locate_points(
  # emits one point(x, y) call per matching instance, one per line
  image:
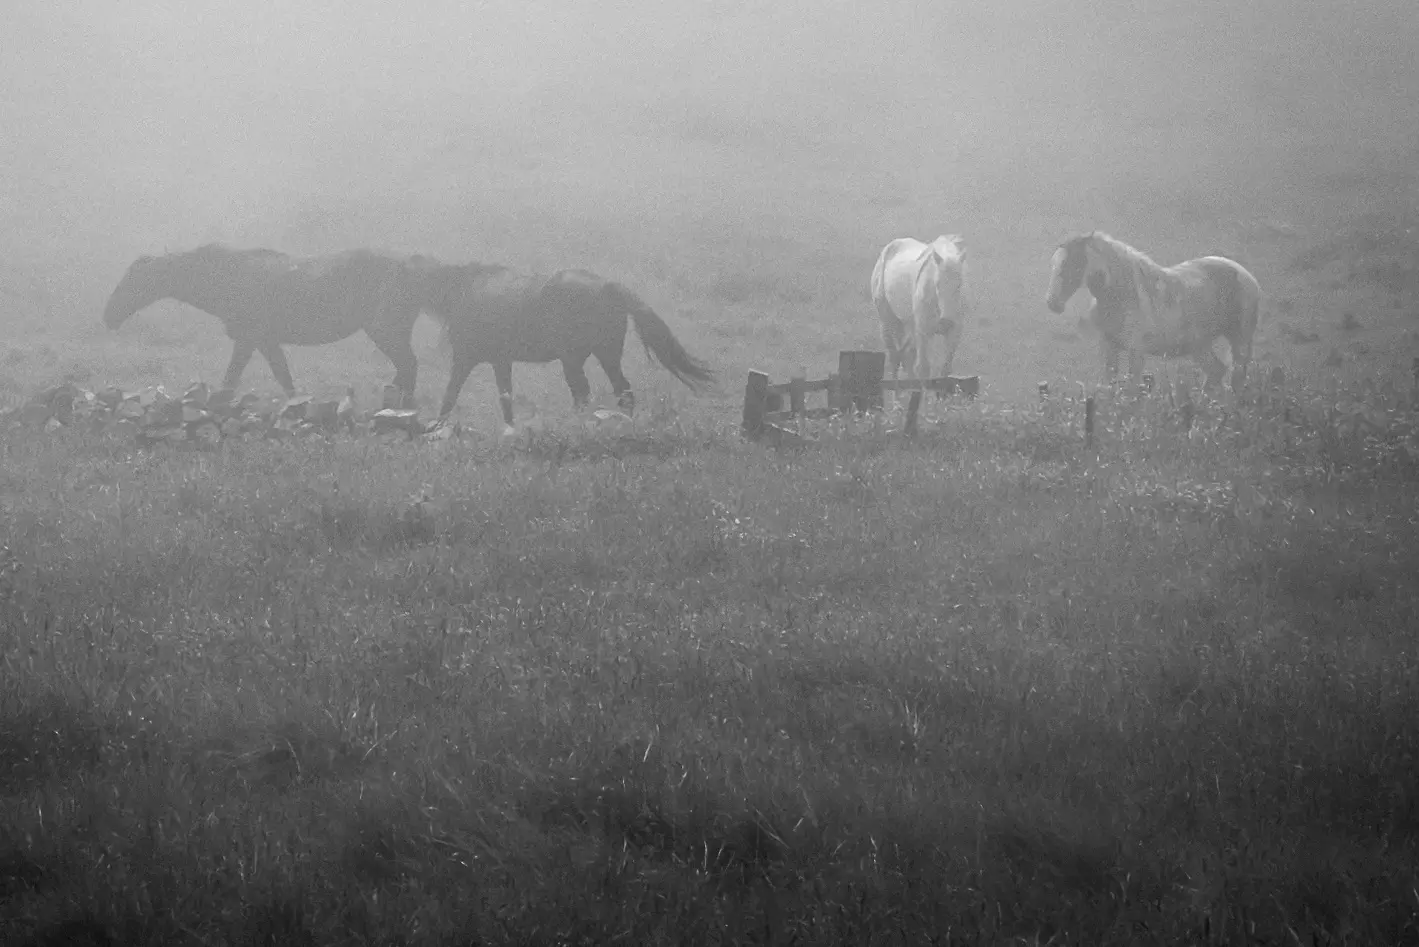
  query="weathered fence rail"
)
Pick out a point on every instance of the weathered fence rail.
point(857, 386)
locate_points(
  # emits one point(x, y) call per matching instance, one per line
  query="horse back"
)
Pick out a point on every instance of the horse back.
point(894, 276)
point(1229, 296)
point(528, 317)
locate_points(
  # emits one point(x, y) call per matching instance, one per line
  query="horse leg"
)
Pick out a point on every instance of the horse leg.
point(1111, 351)
point(894, 361)
point(277, 360)
point(457, 378)
point(1217, 363)
point(922, 366)
point(951, 339)
point(574, 372)
point(1135, 367)
point(397, 348)
point(241, 354)
point(502, 374)
point(1241, 350)
point(610, 358)
point(891, 340)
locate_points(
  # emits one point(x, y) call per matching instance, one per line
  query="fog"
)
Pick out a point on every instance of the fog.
point(685, 133)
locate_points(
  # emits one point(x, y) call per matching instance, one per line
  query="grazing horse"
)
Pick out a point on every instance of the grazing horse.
point(267, 299)
point(1205, 309)
point(491, 313)
point(918, 289)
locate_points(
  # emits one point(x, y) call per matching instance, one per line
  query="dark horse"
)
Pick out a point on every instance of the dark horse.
point(267, 299)
point(494, 314)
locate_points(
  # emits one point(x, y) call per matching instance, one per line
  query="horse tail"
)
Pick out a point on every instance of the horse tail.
point(1249, 292)
point(660, 343)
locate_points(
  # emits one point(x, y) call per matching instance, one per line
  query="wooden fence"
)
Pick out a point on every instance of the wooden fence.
point(857, 386)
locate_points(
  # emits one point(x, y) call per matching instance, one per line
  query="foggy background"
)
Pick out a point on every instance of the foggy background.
point(753, 154)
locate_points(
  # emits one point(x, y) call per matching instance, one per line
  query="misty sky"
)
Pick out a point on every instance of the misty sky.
point(133, 125)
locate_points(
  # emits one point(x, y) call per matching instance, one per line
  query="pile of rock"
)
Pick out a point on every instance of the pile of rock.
point(204, 418)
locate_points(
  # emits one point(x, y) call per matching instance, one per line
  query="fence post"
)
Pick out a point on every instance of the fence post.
point(1044, 391)
point(756, 391)
point(1089, 421)
point(913, 406)
point(394, 398)
point(795, 392)
point(846, 381)
point(860, 374)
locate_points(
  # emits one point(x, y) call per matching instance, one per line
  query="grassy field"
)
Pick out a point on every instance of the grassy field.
point(654, 684)
point(664, 686)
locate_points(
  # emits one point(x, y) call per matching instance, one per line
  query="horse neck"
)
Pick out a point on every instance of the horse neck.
point(434, 290)
point(1126, 266)
point(174, 282)
point(202, 284)
point(446, 290)
point(1135, 260)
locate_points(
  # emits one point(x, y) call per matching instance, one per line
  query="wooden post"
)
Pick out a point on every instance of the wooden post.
point(1147, 381)
point(1044, 391)
point(795, 392)
point(861, 378)
point(755, 394)
point(1089, 420)
point(873, 370)
point(846, 381)
point(913, 406)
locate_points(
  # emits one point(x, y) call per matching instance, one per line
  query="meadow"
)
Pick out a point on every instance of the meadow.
point(662, 685)
point(648, 682)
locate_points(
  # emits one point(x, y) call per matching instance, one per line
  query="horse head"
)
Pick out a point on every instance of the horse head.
point(143, 284)
point(948, 252)
point(1070, 266)
point(949, 246)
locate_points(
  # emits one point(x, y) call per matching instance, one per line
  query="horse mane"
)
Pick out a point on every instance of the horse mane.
point(225, 251)
point(1131, 255)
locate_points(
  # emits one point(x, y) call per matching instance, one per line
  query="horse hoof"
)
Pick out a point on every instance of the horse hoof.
point(509, 431)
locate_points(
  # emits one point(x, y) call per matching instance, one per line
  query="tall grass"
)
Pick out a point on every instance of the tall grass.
point(663, 686)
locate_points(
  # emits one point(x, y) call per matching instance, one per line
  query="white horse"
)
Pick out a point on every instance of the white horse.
point(1205, 309)
point(919, 291)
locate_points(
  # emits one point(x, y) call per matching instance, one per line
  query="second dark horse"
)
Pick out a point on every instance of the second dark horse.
point(495, 314)
point(267, 299)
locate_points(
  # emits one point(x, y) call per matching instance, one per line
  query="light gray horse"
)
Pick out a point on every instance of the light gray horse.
point(1205, 308)
point(919, 290)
